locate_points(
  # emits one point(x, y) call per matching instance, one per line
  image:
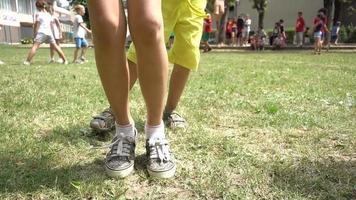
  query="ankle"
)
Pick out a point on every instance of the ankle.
point(127, 130)
point(154, 131)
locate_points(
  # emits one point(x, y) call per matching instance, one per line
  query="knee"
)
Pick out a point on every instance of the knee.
point(106, 28)
point(147, 31)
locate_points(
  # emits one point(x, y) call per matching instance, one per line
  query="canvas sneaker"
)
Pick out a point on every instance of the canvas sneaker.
point(174, 120)
point(160, 161)
point(26, 63)
point(103, 122)
point(119, 160)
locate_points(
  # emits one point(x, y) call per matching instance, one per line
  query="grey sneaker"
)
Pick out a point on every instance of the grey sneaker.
point(174, 120)
point(104, 122)
point(160, 161)
point(119, 160)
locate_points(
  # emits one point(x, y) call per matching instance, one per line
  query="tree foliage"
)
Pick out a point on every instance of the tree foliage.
point(75, 2)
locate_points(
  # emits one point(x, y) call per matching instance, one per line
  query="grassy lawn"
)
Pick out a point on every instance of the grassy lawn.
point(271, 125)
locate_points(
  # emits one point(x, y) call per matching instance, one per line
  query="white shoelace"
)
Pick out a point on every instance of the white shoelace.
point(121, 145)
point(159, 149)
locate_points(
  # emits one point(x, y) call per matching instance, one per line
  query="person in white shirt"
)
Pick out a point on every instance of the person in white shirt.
point(57, 32)
point(247, 29)
point(80, 30)
point(43, 33)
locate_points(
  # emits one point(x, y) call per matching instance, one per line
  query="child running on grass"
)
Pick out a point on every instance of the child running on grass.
point(57, 31)
point(80, 30)
point(186, 21)
point(109, 32)
point(43, 32)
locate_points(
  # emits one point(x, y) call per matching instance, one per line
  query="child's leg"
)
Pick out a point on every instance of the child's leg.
point(84, 50)
point(59, 51)
point(178, 80)
point(147, 35)
point(33, 50)
point(152, 62)
point(52, 53)
point(109, 31)
point(76, 51)
point(316, 44)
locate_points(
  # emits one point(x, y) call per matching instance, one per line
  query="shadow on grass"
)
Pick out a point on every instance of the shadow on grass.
point(33, 174)
point(26, 173)
point(329, 179)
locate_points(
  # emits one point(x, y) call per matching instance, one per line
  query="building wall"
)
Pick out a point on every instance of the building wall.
point(282, 9)
point(16, 20)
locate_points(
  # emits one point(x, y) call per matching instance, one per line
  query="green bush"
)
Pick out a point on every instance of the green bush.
point(352, 35)
point(343, 34)
point(26, 41)
point(348, 34)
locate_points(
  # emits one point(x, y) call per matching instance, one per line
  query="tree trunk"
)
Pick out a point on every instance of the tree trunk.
point(222, 24)
point(261, 16)
point(331, 21)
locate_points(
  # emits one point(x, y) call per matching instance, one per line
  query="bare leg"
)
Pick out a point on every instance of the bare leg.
point(147, 35)
point(76, 51)
point(178, 80)
point(52, 53)
point(133, 73)
point(59, 51)
point(109, 31)
point(84, 50)
point(32, 52)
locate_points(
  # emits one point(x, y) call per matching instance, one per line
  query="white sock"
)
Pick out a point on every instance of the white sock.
point(154, 131)
point(127, 130)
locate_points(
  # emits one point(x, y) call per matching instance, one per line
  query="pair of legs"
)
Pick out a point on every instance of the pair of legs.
point(219, 8)
point(300, 38)
point(178, 80)
point(52, 49)
point(109, 31)
point(53, 46)
point(318, 44)
point(82, 54)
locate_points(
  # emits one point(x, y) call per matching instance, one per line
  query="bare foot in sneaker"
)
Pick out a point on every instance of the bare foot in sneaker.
point(160, 160)
point(119, 160)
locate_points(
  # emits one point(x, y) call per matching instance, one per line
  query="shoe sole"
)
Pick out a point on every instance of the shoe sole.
point(119, 173)
point(166, 174)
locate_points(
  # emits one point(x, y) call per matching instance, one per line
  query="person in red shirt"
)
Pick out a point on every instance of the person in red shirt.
point(208, 28)
point(299, 29)
point(229, 26)
point(323, 12)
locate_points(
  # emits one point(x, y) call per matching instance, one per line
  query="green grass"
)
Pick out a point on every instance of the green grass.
point(271, 125)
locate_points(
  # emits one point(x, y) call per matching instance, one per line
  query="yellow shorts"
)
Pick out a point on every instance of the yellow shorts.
point(185, 19)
